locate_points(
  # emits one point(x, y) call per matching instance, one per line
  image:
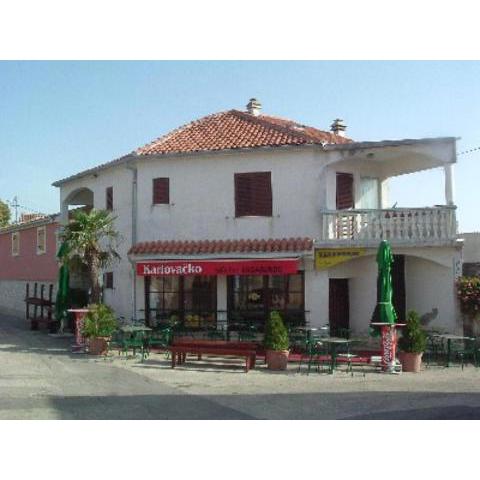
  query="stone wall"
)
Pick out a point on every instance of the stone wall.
point(12, 296)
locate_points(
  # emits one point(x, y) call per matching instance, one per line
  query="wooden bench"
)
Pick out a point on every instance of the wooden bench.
point(42, 307)
point(179, 353)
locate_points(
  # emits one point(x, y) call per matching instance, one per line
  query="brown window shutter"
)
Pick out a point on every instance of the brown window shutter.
point(345, 197)
point(108, 279)
point(109, 198)
point(253, 194)
point(161, 190)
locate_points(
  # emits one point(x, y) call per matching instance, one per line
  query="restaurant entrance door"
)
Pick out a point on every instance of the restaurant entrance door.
point(339, 306)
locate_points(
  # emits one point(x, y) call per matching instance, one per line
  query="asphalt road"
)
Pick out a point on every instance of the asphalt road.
point(41, 379)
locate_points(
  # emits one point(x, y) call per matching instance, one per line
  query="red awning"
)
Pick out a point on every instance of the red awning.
point(283, 266)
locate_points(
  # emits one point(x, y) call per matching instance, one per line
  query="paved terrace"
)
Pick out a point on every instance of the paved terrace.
point(41, 379)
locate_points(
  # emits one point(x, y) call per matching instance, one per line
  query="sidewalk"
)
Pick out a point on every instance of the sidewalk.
point(40, 378)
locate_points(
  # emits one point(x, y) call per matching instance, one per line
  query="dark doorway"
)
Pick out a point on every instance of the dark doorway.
point(339, 306)
point(398, 286)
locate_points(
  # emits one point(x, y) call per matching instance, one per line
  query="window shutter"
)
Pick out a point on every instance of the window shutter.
point(161, 190)
point(253, 194)
point(108, 280)
point(109, 198)
point(345, 198)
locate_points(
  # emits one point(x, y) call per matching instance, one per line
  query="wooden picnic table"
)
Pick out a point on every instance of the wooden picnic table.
point(180, 349)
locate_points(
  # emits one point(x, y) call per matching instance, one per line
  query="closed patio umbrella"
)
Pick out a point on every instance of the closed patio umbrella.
point(384, 310)
point(62, 301)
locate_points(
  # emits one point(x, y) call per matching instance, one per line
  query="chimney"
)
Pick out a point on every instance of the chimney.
point(338, 127)
point(254, 107)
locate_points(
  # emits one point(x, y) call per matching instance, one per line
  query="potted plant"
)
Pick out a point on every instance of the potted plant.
point(276, 342)
point(100, 322)
point(412, 343)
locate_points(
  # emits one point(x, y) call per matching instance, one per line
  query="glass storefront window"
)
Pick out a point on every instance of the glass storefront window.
point(251, 298)
point(190, 300)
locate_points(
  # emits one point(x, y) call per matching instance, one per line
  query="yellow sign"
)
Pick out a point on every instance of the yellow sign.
point(328, 257)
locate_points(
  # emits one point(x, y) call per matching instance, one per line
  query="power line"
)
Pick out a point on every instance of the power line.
point(469, 151)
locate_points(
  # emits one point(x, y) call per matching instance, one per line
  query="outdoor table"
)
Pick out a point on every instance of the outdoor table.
point(134, 330)
point(334, 342)
point(448, 337)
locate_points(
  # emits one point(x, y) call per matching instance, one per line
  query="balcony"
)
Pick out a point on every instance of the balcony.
point(400, 226)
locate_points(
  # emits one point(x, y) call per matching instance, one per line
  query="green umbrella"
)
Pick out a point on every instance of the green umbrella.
point(384, 311)
point(62, 302)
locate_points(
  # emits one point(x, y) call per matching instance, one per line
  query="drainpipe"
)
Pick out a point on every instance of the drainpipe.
point(133, 169)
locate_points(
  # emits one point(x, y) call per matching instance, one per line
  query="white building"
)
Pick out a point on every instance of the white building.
point(191, 195)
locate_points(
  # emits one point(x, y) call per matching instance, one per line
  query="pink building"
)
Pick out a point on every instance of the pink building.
point(27, 255)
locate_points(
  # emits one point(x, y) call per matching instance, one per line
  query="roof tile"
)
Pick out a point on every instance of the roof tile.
point(189, 247)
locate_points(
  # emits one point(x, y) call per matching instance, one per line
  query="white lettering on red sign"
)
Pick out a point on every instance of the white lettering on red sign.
point(185, 269)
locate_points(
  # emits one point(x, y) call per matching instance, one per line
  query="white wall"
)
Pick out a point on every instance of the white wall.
point(430, 285)
point(471, 247)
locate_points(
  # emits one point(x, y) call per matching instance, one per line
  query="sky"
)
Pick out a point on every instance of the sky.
point(59, 118)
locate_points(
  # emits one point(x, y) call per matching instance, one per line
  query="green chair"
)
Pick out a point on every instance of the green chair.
point(115, 343)
point(467, 350)
point(216, 334)
point(435, 349)
point(249, 334)
point(314, 352)
point(135, 341)
point(161, 339)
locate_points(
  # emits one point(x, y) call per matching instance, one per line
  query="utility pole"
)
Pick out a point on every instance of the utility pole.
point(15, 206)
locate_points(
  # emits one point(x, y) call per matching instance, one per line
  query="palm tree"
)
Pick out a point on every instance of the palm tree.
point(91, 238)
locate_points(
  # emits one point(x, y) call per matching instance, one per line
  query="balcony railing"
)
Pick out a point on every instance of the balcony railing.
point(413, 226)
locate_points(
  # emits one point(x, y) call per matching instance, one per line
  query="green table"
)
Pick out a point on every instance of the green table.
point(334, 342)
point(137, 337)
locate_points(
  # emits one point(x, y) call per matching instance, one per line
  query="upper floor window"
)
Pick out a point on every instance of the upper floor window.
point(41, 240)
point(15, 244)
point(253, 194)
point(345, 195)
point(161, 191)
point(109, 198)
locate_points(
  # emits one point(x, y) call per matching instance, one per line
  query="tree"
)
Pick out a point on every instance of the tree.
point(92, 240)
point(4, 214)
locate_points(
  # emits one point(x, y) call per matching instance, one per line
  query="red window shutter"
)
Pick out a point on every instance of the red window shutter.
point(161, 190)
point(345, 197)
point(253, 194)
point(109, 198)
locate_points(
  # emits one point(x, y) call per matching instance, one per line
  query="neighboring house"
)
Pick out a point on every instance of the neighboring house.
point(471, 253)
point(27, 255)
point(239, 213)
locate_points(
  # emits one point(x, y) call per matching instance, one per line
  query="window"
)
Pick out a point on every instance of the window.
point(108, 280)
point(369, 189)
point(15, 244)
point(345, 198)
point(190, 300)
point(41, 240)
point(109, 198)
point(161, 191)
point(253, 194)
point(252, 298)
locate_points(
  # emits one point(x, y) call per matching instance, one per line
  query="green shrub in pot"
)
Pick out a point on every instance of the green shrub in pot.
point(100, 321)
point(276, 342)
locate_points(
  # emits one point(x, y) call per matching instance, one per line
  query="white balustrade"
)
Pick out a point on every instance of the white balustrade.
point(412, 226)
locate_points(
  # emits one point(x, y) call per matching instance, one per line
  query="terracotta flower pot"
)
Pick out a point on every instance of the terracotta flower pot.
point(97, 345)
point(411, 362)
point(277, 359)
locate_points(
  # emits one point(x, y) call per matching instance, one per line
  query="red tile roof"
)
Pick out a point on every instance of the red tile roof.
point(191, 247)
point(233, 130)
